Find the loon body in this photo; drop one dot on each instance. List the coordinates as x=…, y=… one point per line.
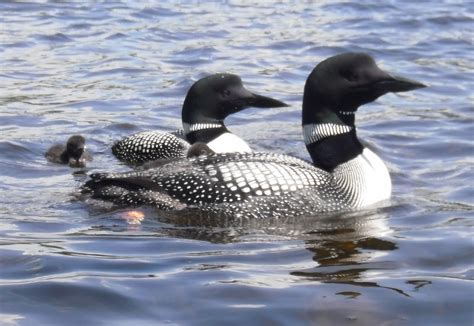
x=208, y=102
x=343, y=175
x=73, y=153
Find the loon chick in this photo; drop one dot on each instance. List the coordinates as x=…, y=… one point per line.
x=208, y=102
x=198, y=149
x=73, y=153
x=343, y=175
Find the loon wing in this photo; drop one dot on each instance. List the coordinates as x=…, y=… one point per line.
x=130, y=191
x=148, y=146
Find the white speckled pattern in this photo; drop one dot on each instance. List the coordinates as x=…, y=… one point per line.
x=148, y=146
x=249, y=184
x=152, y=145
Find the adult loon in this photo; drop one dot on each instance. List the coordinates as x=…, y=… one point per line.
x=343, y=175
x=73, y=153
x=208, y=102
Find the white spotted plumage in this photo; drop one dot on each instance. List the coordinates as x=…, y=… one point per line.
x=150, y=145
x=250, y=184
x=254, y=180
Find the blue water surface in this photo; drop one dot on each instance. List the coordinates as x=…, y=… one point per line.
x=109, y=69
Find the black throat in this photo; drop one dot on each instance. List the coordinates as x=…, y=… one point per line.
x=205, y=135
x=337, y=140
x=327, y=153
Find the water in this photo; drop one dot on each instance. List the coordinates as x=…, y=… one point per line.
x=111, y=69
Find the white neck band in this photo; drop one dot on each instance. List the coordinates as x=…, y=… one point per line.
x=317, y=131
x=188, y=128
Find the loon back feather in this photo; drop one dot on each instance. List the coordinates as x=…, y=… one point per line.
x=217, y=181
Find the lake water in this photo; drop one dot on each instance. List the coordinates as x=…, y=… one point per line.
x=112, y=69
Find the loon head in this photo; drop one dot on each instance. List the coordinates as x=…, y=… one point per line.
x=340, y=84
x=211, y=99
x=333, y=92
x=75, y=148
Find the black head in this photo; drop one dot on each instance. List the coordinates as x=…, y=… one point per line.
x=75, y=147
x=344, y=82
x=213, y=98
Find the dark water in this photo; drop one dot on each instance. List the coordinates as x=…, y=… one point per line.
x=110, y=69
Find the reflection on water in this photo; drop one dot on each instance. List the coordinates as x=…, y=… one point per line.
x=113, y=69
x=343, y=246
x=338, y=227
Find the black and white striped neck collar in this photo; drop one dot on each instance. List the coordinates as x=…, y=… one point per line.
x=203, y=132
x=192, y=127
x=332, y=124
x=331, y=139
x=314, y=132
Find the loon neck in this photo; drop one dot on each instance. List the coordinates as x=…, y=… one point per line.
x=331, y=139
x=203, y=132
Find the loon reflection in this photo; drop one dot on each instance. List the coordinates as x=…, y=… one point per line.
x=346, y=248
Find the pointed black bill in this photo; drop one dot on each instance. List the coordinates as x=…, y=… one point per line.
x=398, y=84
x=260, y=101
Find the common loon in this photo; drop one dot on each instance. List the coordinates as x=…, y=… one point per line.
x=208, y=102
x=73, y=153
x=344, y=174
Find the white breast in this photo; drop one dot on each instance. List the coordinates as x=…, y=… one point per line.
x=366, y=177
x=228, y=143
